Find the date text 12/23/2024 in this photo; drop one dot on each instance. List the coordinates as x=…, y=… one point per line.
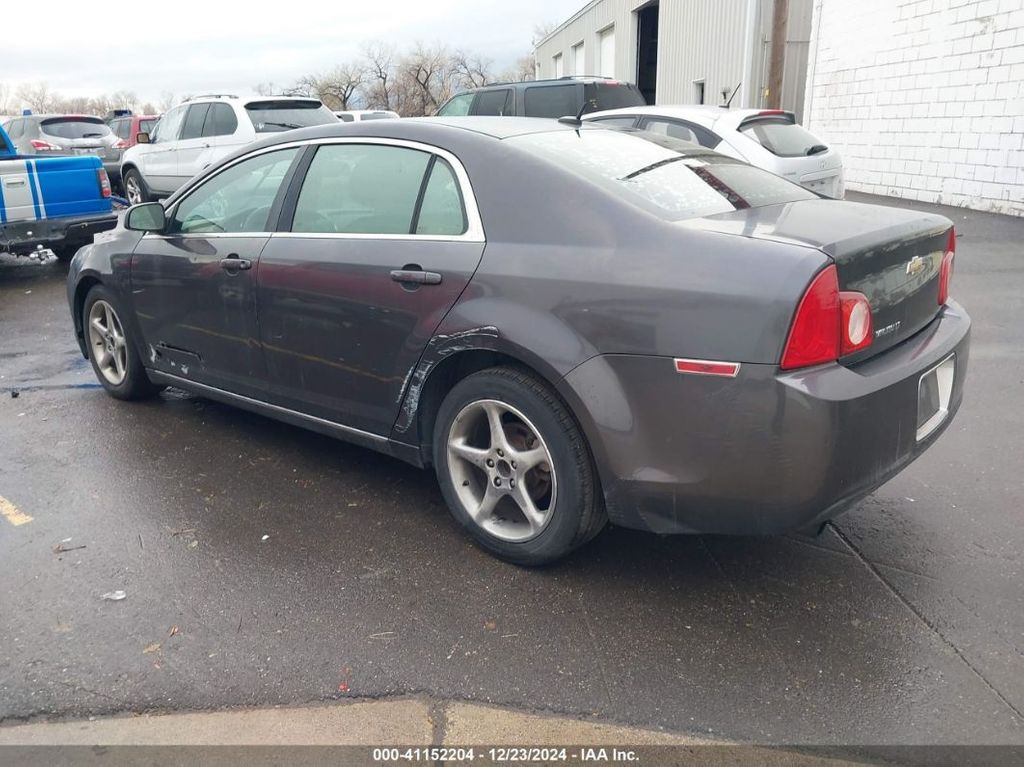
x=500, y=754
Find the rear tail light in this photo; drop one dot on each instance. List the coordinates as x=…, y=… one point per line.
x=44, y=146
x=121, y=144
x=827, y=324
x=104, y=182
x=946, y=269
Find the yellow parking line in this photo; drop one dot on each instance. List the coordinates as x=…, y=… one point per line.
x=12, y=513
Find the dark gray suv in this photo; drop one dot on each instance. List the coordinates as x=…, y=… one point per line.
x=544, y=98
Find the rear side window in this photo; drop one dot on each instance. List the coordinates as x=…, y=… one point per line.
x=615, y=122
x=456, y=106
x=194, y=119
x=277, y=116
x=682, y=131
x=664, y=176
x=360, y=189
x=783, y=138
x=220, y=121
x=441, y=211
x=123, y=128
x=551, y=100
x=75, y=127
x=497, y=103
x=611, y=95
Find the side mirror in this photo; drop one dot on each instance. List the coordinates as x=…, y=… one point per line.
x=142, y=138
x=147, y=217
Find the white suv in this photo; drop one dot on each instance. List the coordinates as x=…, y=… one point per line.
x=204, y=129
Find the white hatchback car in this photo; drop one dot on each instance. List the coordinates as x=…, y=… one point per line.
x=768, y=138
x=203, y=130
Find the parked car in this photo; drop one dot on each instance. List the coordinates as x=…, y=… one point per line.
x=50, y=135
x=204, y=129
x=544, y=98
x=355, y=115
x=127, y=128
x=570, y=324
x=768, y=138
x=51, y=202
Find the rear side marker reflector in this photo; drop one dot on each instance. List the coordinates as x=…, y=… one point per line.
x=708, y=368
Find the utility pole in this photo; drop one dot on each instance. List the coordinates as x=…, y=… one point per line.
x=777, y=63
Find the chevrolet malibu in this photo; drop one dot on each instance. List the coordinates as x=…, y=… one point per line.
x=572, y=325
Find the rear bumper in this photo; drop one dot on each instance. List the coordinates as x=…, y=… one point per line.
x=23, y=237
x=764, y=452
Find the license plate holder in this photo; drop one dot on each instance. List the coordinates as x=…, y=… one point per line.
x=934, y=391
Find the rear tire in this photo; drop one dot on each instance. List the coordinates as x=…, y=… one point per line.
x=111, y=348
x=135, y=189
x=528, y=492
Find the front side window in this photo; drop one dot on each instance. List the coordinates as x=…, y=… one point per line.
x=551, y=100
x=169, y=125
x=361, y=189
x=456, y=106
x=237, y=199
x=145, y=126
x=669, y=178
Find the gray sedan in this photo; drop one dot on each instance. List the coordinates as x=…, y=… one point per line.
x=571, y=325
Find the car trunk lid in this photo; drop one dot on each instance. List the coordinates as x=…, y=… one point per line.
x=892, y=256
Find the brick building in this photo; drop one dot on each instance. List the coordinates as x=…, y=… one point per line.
x=924, y=98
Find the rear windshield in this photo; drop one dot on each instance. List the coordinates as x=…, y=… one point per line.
x=75, y=127
x=378, y=116
x=783, y=138
x=146, y=126
x=277, y=116
x=611, y=95
x=664, y=176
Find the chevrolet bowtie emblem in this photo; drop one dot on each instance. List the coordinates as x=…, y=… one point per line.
x=915, y=265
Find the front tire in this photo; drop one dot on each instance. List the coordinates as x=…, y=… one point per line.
x=135, y=189
x=111, y=350
x=515, y=468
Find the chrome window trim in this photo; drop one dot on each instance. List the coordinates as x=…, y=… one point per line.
x=474, y=225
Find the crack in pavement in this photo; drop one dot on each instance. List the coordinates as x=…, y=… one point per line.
x=873, y=569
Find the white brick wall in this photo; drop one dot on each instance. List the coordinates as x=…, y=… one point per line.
x=924, y=98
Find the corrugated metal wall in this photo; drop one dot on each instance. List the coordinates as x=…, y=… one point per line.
x=697, y=39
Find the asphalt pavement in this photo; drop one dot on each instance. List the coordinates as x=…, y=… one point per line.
x=264, y=565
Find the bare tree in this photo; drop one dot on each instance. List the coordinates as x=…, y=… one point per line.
x=37, y=97
x=525, y=68
x=472, y=69
x=167, y=100
x=341, y=87
x=7, y=105
x=380, y=90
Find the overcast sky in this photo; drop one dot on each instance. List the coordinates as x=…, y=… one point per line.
x=188, y=46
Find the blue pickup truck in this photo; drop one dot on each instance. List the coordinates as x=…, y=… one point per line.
x=51, y=202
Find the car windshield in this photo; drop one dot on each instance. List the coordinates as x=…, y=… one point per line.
x=75, y=127
x=277, y=116
x=670, y=178
x=783, y=138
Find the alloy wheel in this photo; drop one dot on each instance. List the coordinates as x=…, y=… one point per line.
x=107, y=343
x=132, y=190
x=501, y=470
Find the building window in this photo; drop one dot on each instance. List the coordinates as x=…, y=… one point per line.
x=579, y=66
x=559, y=67
x=698, y=91
x=606, y=52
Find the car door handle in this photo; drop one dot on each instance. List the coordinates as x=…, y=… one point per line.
x=235, y=263
x=416, y=276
